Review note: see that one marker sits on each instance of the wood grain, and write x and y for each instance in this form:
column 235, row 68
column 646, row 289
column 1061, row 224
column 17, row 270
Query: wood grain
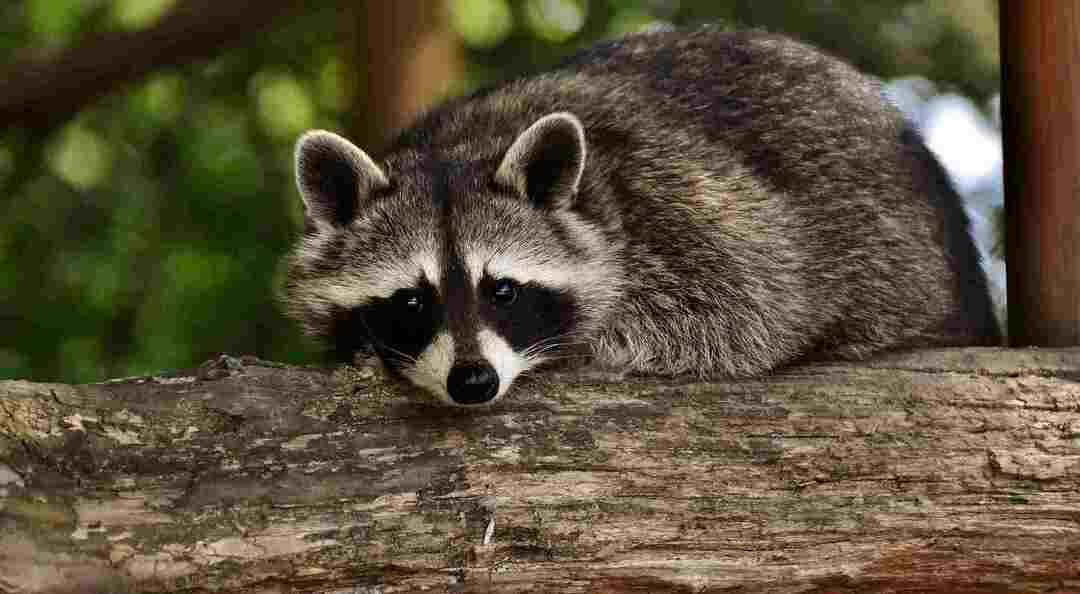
column 1040, row 57
column 937, row 471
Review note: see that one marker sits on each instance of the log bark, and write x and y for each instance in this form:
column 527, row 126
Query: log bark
column 934, row 471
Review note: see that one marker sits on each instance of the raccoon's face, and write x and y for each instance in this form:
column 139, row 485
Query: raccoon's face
column 460, row 274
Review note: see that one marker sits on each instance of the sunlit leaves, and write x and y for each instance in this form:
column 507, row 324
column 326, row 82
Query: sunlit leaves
column 631, row 21
column 332, row 85
column 80, row 157
column 159, row 101
column 59, row 21
column 482, row 23
column 284, row 106
column 136, row 14
column 555, row 20
column 56, row 21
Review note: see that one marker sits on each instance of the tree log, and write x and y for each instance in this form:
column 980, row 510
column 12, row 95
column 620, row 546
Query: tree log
column 933, row 471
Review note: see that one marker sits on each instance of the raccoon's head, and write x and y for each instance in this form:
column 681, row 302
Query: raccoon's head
column 460, row 269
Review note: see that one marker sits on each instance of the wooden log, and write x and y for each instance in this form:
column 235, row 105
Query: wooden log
column 936, row 471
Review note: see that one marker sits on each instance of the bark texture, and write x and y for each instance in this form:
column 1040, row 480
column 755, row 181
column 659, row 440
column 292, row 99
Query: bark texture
column 936, row 471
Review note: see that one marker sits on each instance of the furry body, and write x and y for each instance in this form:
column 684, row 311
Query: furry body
column 677, row 202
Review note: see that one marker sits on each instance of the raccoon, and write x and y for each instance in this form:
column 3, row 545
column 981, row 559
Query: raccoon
column 675, row 202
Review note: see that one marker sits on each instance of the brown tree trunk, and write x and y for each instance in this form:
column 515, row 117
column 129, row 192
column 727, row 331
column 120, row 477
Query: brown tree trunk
column 938, row 471
column 407, row 56
column 1040, row 57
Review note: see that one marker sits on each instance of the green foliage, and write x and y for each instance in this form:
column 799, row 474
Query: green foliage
column 482, row 23
column 80, row 157
column 56, row 20
column 146, row 233
column 136, row 14
column 555, row 20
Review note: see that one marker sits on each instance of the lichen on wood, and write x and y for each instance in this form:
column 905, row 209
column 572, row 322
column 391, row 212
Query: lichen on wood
column 951, row 470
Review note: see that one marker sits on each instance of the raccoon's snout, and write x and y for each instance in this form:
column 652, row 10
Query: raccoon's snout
column 472, row 383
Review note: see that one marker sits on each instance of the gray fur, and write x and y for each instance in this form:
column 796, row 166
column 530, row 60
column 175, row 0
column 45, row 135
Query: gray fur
column 744, row 201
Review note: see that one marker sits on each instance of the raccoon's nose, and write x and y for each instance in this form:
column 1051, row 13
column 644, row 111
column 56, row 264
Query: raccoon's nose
column 472, row 383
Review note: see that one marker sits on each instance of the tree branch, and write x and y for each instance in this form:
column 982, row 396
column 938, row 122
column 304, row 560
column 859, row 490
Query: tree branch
column 41, row 92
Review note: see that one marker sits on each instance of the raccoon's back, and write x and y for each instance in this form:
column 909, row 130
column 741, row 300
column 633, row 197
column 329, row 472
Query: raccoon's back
column 772, row 203
column 810, row 163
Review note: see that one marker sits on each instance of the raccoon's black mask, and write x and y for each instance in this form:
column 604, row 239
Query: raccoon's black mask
column 460, row 284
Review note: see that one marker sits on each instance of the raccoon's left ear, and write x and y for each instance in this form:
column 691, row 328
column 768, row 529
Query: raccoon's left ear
column 334, row 177
column 546, row 161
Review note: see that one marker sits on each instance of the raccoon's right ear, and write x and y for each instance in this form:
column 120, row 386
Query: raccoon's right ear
column 334, row 177
column 546, row 161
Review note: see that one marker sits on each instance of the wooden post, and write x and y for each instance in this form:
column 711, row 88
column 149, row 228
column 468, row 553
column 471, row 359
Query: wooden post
column 407, row 57
column 1040, row 55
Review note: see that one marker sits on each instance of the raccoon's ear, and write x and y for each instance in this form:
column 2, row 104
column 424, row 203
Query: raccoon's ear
column 334, row 177
column 546, row 161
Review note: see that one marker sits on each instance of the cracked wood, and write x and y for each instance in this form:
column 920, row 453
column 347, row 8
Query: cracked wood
column 952, row 470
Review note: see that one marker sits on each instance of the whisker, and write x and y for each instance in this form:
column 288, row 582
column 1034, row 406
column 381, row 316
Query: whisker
column 537, row 351
column 556, row 337
column 398, row 354
column 540, row 349
column 378, row 344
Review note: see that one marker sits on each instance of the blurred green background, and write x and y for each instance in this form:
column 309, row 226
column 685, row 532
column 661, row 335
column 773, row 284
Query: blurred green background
column 142, row 230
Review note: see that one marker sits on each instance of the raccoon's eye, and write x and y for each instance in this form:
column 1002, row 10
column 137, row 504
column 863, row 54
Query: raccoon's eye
column 411, row 301
column 505, row 292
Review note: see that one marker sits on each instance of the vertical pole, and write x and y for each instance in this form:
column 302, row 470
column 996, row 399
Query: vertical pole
column 1040, row 56
column 407, row 57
